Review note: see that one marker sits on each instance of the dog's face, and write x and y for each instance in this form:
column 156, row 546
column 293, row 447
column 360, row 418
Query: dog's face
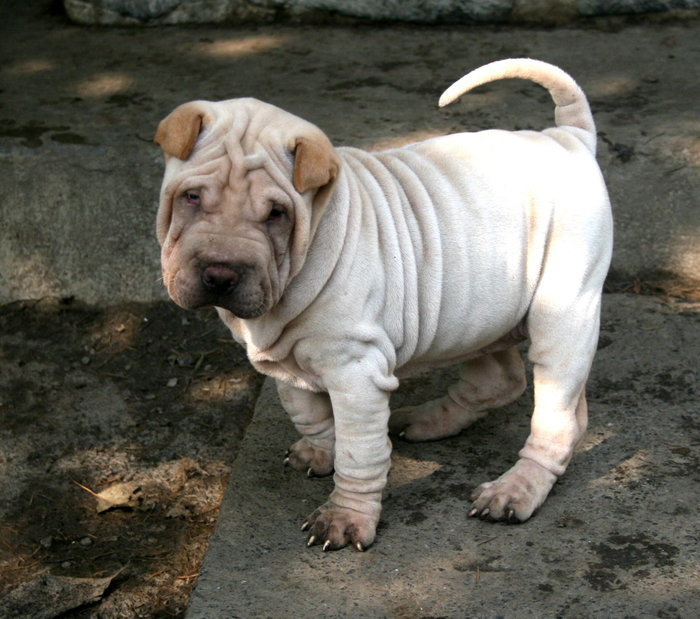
column 244, row 188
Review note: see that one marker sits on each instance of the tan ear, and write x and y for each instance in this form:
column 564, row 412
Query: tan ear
column 177, row 133
column 315, row 163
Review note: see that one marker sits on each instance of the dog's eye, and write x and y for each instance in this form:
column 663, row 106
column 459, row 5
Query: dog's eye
column 192, row 197
column 276, row 214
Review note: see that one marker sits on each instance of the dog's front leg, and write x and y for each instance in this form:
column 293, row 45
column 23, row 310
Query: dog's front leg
column 362, row 459
column 312, row 415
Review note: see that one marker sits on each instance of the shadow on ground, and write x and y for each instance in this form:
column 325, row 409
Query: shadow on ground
column 143, row 405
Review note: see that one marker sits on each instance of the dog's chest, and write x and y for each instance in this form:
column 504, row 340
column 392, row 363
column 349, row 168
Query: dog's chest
column 287, row 370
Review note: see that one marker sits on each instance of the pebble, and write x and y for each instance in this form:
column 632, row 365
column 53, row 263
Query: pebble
column 184, row 359
column 172, row 382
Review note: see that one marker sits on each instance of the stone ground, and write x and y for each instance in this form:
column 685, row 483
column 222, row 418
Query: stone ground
column 146, row 406
column 618, row 536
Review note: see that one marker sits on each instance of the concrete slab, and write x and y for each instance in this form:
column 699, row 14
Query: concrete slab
column 617, row 537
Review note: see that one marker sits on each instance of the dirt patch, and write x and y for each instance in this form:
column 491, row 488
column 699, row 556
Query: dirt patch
column 143, row 405
column 667, row 288
column 632, row 555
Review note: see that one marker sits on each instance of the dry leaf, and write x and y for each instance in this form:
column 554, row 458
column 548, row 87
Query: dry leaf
column 121, row 495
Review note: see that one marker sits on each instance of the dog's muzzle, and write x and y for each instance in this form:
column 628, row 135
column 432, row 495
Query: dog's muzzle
column 235, row 287
column 220, row 279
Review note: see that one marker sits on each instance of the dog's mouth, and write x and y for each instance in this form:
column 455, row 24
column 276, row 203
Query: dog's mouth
column 245, row 308
column 238, row 288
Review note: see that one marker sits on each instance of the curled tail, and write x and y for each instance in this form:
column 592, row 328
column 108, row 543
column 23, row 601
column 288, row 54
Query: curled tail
column 571, row 106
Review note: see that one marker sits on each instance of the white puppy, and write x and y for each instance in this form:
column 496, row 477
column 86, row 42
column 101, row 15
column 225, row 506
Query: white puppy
column 342, row 270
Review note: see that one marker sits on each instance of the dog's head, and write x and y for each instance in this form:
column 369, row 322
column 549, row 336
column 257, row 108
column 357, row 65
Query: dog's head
column 244, row 188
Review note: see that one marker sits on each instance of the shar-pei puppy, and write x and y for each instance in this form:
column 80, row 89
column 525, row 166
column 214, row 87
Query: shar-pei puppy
column 342, row 271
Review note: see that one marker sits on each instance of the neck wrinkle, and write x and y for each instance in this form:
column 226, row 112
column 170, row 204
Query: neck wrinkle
column 324, row 254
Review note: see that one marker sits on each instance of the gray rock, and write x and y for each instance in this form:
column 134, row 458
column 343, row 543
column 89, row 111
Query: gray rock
column 163, row 12
column 134, row 12
column 405, row 10
column 617, row 7
column 141, row 9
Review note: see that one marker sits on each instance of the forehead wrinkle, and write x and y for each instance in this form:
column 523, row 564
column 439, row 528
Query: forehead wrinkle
column 233, row 146
column 279, row 175
column 206, row 172
column 254, row 161
column 241, row 163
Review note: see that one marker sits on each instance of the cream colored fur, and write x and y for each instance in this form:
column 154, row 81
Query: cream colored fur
column 450, row 250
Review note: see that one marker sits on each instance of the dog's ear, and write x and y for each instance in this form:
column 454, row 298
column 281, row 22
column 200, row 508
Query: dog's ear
column 316, row 167
column 315, row 163
column 177, row 133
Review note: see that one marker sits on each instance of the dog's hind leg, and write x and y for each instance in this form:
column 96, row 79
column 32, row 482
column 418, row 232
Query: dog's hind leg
column 516, row 494
column 312, row 416
column 563, row 323
column 486, row 382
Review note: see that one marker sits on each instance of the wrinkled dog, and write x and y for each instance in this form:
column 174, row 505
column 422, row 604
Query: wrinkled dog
column 342, row 271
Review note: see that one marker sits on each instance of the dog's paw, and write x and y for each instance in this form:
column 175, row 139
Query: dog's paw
column 515, row 495
column 314, row 461
column 334, row 527
column 430, row 421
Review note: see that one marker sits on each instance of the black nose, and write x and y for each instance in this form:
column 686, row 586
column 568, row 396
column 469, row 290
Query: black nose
column 219, row 279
